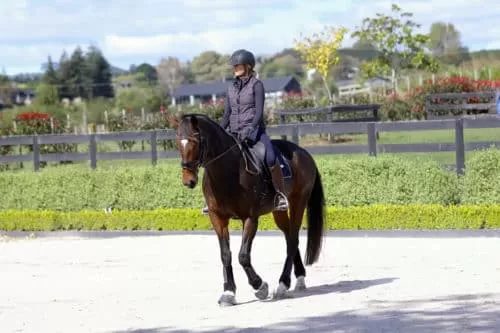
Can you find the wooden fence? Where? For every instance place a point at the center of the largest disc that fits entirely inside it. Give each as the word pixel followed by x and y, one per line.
pixel 459 146
pixel 439 105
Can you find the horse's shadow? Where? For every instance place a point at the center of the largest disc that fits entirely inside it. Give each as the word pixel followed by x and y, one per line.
pixel 339 287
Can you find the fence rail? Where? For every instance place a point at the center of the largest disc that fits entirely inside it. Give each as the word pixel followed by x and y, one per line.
pixel 294 130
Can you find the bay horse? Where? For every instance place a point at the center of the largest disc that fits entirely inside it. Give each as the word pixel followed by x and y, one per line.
pixel 234 189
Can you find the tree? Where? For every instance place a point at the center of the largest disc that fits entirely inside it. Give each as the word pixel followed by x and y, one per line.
pixel 97 74
pixel 283 64
pixel 320 52
pixel 210 66
pixel 148 73
pixel 46 94
pixel 64 76
pixel 445 44
pixel 170 74
pixel 50 76
pixel 398 46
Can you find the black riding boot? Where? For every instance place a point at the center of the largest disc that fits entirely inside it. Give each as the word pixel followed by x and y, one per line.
pixel 280 201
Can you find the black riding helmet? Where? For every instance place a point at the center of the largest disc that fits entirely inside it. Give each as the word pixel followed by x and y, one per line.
pixel 243 57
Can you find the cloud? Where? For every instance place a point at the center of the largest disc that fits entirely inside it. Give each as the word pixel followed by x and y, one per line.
pixel 129 31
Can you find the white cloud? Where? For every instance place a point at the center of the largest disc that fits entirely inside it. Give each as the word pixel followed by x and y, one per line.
pixel 129 31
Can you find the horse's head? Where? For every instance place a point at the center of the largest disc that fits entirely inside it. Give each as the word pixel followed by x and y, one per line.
pixel 190 147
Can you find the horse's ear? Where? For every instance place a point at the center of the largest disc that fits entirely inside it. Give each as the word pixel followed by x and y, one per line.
pixel 194 122
pixel 173 121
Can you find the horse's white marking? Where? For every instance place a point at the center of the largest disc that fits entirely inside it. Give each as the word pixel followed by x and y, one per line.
pixel 301 283
pixel 184 143
pixel 228 292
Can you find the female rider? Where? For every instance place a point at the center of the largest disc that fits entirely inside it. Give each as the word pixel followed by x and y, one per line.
pixel 244 115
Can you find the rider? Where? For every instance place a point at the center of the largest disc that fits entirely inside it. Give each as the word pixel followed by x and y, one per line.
pixel 244 115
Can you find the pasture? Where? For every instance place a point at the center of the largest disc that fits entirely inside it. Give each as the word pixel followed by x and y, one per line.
pixel 169 283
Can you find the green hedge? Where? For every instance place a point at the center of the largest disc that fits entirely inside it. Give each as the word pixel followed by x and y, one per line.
pixel 350 181
pixel 375 217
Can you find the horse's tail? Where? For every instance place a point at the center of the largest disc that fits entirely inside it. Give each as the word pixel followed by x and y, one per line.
pixel 315 220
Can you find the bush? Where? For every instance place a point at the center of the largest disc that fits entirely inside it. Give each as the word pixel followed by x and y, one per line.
pixel 412 104
pixel 482 182
pixel 377 217
pixel 34 123
pixel 380 180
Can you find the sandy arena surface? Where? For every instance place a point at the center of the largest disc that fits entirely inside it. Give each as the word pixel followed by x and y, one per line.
pixel 171 283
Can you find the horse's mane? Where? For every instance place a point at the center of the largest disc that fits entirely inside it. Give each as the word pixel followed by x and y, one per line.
pixel 218 136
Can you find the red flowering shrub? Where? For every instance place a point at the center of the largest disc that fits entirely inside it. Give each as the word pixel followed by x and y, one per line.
pixel 39 123
pixel 295 100
pixel 159 121
pixel 118 123
pixel 214 109
pixel 412 104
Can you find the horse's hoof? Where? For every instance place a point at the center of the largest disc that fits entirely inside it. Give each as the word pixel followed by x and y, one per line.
pixel 263 291
pixel 227 299
pixel 281 291
pixel 300 285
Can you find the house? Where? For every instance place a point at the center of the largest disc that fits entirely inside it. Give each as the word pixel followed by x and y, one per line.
pixel 21 96
pixel 203 92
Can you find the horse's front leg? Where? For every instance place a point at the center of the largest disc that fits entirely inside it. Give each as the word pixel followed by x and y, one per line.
pixel 249 230
pixel 221 227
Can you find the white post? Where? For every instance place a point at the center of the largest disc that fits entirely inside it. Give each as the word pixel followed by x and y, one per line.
pixel 191 100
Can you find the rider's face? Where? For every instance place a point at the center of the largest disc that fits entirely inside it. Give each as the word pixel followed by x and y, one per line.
pixel 239 70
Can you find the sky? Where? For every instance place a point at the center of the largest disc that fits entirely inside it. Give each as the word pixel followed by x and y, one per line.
pixel 132 32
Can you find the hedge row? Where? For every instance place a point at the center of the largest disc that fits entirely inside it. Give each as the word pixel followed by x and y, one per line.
pixel 375 217
pixel 390 180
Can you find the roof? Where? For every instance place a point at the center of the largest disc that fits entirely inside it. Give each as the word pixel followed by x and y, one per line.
pixel 220 87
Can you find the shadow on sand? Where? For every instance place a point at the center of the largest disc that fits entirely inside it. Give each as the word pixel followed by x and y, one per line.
pixel 452 314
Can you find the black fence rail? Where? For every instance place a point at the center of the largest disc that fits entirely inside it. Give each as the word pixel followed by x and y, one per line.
pixel 459 146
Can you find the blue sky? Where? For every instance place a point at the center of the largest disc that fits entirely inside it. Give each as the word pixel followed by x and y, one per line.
pixel 145 31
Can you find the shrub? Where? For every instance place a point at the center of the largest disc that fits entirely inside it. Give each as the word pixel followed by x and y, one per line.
pixel 381 180
pixel 376 217
pixel 412 104
pixel 35 123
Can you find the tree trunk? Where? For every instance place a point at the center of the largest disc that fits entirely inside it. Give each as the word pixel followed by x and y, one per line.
pixel 328 91
pixel 393 80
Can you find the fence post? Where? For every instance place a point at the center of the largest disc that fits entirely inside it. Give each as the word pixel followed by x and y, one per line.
pixel 93 151
pixel 282 122
pixel 460 146
pixel 154 152
pixel 329 119
pixel 295 134
pixel 372 139
pixel 36 153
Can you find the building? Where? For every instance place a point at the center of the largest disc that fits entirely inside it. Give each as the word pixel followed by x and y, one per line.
pixel 206 91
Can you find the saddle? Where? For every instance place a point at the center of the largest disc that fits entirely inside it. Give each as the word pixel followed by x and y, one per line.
pixel 255 160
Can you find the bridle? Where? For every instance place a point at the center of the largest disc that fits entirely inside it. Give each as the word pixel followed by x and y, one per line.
pixel 198 161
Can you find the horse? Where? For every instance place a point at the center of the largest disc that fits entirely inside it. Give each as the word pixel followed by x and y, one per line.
pixel 236 186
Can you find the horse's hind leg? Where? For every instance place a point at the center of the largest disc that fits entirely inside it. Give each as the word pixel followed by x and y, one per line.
pixel 292 245
pixel 296 214
pixel 249 231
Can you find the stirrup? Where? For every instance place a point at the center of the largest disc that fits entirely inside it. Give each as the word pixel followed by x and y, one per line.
pixel 281 202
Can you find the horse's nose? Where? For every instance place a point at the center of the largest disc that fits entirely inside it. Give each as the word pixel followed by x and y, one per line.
pixel 190 183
